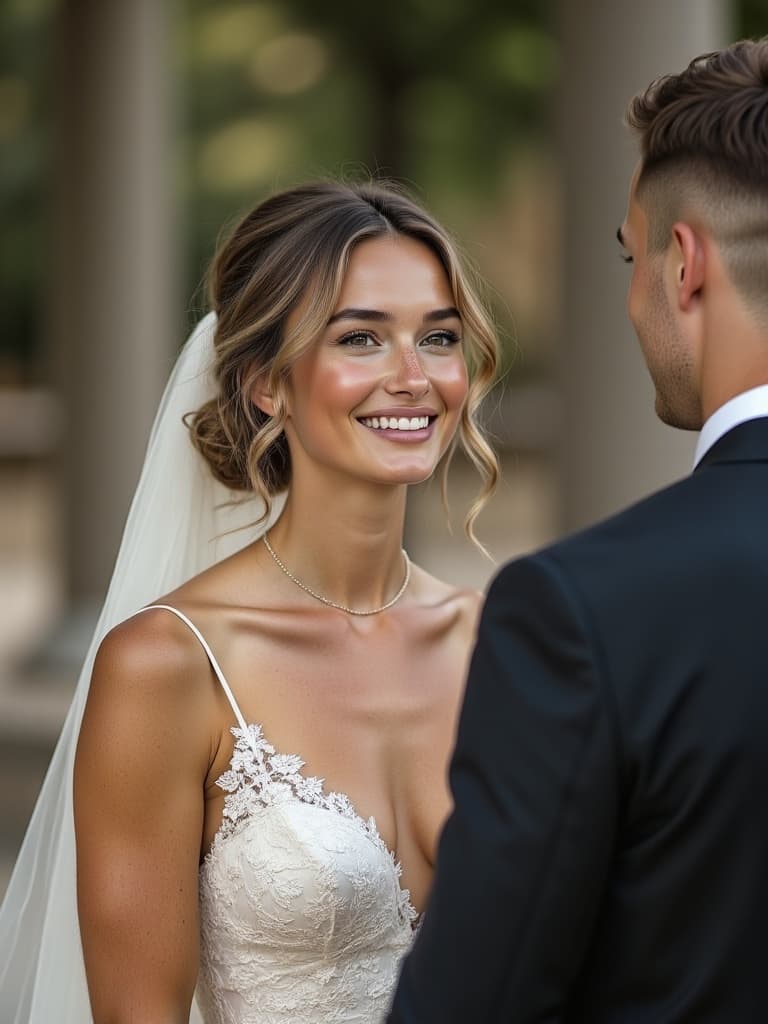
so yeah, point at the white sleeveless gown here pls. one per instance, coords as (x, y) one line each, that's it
(303, 918)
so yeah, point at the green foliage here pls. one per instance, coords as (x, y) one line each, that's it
(444, 95)
(438, 94)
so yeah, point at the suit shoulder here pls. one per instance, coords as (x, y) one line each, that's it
(636, 516)
(654, 520)
(610, 548)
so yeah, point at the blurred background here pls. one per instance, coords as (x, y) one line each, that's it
(133, 131)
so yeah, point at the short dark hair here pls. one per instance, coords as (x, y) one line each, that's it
(703, 137)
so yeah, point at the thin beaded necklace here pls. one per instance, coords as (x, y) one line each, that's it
(336, 604)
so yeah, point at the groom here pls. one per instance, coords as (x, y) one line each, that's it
(607, 860)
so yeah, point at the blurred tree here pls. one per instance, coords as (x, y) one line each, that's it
(429, 92)
(451, 98)
(445, 79)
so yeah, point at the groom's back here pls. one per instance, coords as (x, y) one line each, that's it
(677, 591)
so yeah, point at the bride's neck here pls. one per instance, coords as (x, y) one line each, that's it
(345, 545)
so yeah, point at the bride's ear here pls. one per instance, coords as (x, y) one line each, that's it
(261, 395)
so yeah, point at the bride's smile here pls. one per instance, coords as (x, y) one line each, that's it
(379, 395)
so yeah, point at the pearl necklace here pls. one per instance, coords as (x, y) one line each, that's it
(335, 604)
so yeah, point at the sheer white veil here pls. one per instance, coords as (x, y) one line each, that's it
(177, 526)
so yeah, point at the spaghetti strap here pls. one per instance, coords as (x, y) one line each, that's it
(214, 664)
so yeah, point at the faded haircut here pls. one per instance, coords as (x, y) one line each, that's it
(703, 138)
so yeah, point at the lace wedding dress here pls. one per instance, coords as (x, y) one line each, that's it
(303, 918)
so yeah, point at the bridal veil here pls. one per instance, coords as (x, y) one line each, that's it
(181, 521)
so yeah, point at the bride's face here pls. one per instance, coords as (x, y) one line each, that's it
(379, 395)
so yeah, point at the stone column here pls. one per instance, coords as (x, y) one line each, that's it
(612, 448)
(114, 320)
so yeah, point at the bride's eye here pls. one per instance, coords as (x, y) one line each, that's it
(441, 339)
(358, 339)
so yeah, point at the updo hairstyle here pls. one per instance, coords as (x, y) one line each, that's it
(295, 243)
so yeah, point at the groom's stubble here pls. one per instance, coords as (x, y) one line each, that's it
(669, 360)
(666, 351)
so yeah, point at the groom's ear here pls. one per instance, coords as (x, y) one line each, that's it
(690, 264)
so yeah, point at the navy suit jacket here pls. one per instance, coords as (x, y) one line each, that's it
(607, 858)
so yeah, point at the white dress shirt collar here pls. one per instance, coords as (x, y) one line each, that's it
(749, 405)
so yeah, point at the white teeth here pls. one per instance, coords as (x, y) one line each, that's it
(399, 423)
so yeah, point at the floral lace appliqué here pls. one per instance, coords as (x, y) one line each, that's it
(258, 775)
(302, 916)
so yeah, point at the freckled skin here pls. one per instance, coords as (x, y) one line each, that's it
(332, 385)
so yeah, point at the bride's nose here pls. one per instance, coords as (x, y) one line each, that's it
(407, 376)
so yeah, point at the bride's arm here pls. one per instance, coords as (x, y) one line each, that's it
(140, 768)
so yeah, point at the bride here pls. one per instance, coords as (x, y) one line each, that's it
(254, 781)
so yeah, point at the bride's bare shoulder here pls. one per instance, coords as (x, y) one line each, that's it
(153, 651)
(150, 705)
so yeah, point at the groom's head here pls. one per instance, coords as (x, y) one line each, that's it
(697, 231)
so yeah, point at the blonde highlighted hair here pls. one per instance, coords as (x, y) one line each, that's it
(294, 244)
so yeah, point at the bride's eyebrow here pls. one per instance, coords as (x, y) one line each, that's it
(351, 313)
(450, 313)
(360, 314)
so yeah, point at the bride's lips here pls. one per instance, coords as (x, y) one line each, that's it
(400, 424)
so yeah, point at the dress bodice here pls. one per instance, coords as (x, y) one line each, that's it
(303, 917)
(302, 913)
